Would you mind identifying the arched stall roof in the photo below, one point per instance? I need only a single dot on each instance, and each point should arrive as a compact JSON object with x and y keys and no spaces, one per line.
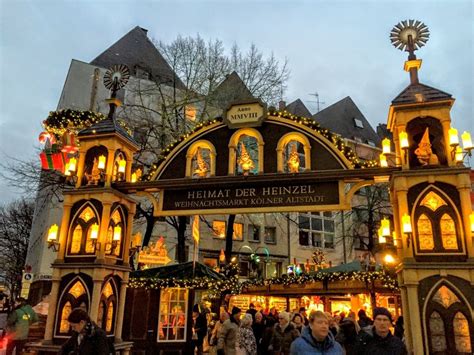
{"x":328,"y":151}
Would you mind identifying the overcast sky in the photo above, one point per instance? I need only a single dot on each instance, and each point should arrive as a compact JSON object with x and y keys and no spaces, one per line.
{"x":335,"y":48}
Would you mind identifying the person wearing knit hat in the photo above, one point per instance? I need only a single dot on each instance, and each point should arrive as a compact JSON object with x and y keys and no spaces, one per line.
{"x":228,"y":335}
{"x":378,"y":339}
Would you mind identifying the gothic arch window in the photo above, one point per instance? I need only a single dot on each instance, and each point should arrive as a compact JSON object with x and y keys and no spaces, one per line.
{"x":75,"y":295}
{"x":120,"y":166}
{"x":83,"y":231}
{"x":246,"y":152}
{"x":107,"y":308}
{"x":293,"y":153}
{"x":95,"y":166}
{"x":462,"y":338}
{"x":438,"y":334}
{"x":201,"y":159}
{"x":115,"y":233}
{"x":437,"y":227}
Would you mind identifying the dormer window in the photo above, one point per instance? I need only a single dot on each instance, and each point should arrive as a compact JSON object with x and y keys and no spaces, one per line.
{"x":358,"y":123}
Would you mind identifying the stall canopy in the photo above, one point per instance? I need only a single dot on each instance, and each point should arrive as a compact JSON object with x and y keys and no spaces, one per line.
{"x":348,"y":267}
{"x":183,"y":271}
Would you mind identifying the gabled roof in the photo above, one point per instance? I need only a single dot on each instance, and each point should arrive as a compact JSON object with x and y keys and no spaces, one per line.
{"x":340,"y":118}
{"x":180,"y":271}
{"x":107,"y":126}
{"x":232,"y":88}
{"x":416,"y":93}
{"x":298,"y":108}
{"x":136,"y":50}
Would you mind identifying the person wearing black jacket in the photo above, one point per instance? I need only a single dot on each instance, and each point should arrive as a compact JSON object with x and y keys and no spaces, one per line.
{"x":378,"y":340}
{"x":199,"y":329}
{"x":87,"y":337}
{"x":258,"y":328}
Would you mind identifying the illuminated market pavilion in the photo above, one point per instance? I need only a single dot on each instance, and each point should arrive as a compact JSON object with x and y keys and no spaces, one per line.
{"x":291,"y":165}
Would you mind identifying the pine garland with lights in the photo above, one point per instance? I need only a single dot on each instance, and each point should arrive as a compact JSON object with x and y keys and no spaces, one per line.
{"x":364,"y":276}
{"x":58,"y":122}
{"x":305,"y":121}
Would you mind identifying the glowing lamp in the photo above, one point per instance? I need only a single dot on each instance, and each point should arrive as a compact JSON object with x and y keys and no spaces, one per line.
{"x":385,"y":225}
{"x":134,"y":177}
{"x":453,"y":137}
{"x":389,"y":259}
{"x":222,"y":256}
{"x":466,"y":140}
{"x":458,"y":156}
{"x":382,"y":239}
{"x":101,"y":164}
{"x":406,"y":222}
{"x":53,"y":233}
{"x":383,"y":160}
{"x":394,"y":237}
{"x":117,"y":233}
{"x":71,"y":167}
{"x":471,"y":220}
{"x":386,"y":146}
{"x":403,"y":136}
{"x":121,"y":166}
{"x":94,"y":231}
{"x":67,"y":172}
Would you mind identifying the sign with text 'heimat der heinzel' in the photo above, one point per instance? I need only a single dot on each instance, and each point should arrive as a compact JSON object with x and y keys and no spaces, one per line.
{"x":279,"y":196}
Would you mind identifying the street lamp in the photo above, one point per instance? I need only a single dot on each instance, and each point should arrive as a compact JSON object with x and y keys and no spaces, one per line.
{"x":52,"y":237}
{"x":406,"y":226}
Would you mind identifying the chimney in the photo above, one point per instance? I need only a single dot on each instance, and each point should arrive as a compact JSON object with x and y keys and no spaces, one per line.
{"x":281,"y":105}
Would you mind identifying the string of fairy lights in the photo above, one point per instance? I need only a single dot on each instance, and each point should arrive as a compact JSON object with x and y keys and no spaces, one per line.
{"x":233,"y":285}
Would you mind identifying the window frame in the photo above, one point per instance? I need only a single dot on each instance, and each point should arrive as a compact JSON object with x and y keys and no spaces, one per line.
{"x":311,"y":230}
{"x":171,"y":301}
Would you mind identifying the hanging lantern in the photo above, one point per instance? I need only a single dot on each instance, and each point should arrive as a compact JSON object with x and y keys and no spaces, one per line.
{"x":403,"y":136}
{"x":458,"y":155}
{"x":453,"y":137}
{"x":66,"y":170}
{"x":53,"y":233}
{"x":71,"y":167}
{"x":385,"y":224}
{"x":394,"y":237}
{"x":134,"y":177}
{"x":101,"y":164}
{"x":386,"y":146}
{"x":406,"y":222}
{"x":117,"y":233}
{"x":382,"y":239}
{"x":121,"y":166}
{"x":383,"y":160}
{"x":69,"y":142}
{"x":94,"y":231}
{"x":466,"y":140}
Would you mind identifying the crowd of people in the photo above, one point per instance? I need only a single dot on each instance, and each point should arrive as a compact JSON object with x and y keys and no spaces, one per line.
{"x":297,"y":333}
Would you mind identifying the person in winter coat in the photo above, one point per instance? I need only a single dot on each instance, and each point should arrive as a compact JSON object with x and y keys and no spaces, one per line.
{"x":215,"y":331}
{"x":228,"y":334}
{"x":87,"y":338}
{"x":199,"y":329}
{"x":265,"y":347}
{"x":364,"y":320}
{"x":258,"y":328}
{"x":316,"y":338}
{"x":399,"y":330}
{"x":348,"y":330}
{"x":18,"y":326}
{"x":285,"y":333}
{"x":298,"y":322}
{"x":247,"y":344}
{"x":378,"y":340}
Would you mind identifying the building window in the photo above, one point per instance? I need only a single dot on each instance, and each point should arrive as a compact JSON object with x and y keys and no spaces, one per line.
{"x":254,"y":233}
{"x":358,"y":123}
{"x":244,"y":269}
{"x":85,"y":224}
{"x":238,"y":231}
{"x":173,"y":315}
{"x":316,"y":229}
{"x":273,"y":269}
{"x":218,"y":228}
{"x":270,"y":235}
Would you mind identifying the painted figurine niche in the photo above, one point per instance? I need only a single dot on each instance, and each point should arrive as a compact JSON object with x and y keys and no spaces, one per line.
{"x":94,"y":177}
{"x":424,"y":153}
{"x":245,"y":162}
{"x":293,"y":160}
{"x":202,"y":168}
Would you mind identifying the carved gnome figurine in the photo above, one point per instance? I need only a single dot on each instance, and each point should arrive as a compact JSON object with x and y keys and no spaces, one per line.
{"x":424,"y":153}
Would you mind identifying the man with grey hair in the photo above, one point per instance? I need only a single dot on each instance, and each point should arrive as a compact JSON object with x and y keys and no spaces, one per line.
{"x":285,"y":333}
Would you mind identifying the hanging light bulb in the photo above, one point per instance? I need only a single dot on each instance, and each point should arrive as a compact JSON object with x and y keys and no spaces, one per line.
{"x":117,"y":233}
{"x":406,"y":222}
{"x":101,"y":164}
{"x":94,"y":231}
{"x":386,"y":146}
{"x":453,"y":137}
{"x":403,"y":136}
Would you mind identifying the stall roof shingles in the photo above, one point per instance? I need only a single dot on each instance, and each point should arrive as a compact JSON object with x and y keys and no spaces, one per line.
{"x":339,"y":118}
{"x":415,"y":93}
{"x":107,"y":126}
{"x":180,"y":271}
{"x":136,"y":49}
